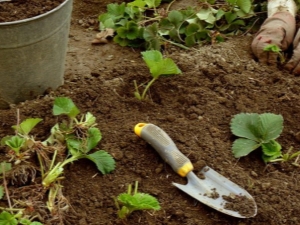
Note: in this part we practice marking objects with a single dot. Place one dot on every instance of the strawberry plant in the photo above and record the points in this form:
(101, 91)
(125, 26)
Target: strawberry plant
(80, 136)
(68, 142)
(158, 66)
(254, 131)
(135, 201)
(146, 24)
(274, 48)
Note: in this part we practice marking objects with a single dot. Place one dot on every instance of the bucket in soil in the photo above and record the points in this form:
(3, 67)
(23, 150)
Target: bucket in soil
(32, 54)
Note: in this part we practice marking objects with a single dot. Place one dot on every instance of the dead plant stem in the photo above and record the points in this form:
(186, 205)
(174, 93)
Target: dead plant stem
(5, 187)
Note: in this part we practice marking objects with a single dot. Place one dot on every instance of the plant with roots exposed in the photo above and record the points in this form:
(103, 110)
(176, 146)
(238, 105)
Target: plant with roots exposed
(69, 141)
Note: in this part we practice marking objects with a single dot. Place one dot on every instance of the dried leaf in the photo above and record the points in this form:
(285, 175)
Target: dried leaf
(101, 38)
(99, 41)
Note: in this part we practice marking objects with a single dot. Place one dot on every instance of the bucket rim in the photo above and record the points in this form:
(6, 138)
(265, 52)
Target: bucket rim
(35, 17)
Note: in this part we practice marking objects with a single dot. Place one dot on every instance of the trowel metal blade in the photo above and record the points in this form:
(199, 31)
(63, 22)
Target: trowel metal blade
(214, 188)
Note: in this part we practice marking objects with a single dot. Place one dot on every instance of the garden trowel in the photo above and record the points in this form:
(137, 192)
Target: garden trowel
(211, 188)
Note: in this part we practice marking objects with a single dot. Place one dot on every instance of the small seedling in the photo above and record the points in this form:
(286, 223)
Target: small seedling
(20, 144)
(257, 130)
(158, 66)
(81, 136)
(135, 201)
(274, 48)
(288, 157)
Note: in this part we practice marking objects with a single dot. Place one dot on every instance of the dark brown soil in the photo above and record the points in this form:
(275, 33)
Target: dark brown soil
(22, 9)
(194, 108)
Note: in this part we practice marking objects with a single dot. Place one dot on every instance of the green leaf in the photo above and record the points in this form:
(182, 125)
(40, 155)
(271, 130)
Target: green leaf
(174, 35)
(137, 3)
(153, 3)
(116, 10)
(244, 5)
(132, 30)
(267, 158)
(271, 148)
(1, 192)
(94, 136)
(220, 14)
(224, 27)
(238, 22)
(211, 19)
(27, 125)
(35, 223)
(129, 31)
(203, 14)
(7, 219)
(109, 23)
(121, 41)
(242, 147)
(230, 17)
(121, 31)
(104, 161)
(90, 120)
(139, 201)
(4, 139)
(176, 18)
(190, 40)
(6, 166)
(246, 125)
(202, 35)
(106, 21)
(165, 67)
(241, 14)
(232, 2)
(272, 48)
(158, 65)
(192, 28)
(152, 56)
(206, 15)
(24, 221)
(15, 143)
(74, 146)
(271, 126)
(150, 32)
(151, 36)
(134, 12)
(64, 105)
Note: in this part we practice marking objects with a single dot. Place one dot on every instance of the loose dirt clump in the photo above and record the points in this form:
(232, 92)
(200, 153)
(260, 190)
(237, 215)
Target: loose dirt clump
(241, 204)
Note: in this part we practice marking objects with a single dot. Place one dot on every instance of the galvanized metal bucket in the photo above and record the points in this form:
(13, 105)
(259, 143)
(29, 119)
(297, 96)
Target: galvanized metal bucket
(32, 54)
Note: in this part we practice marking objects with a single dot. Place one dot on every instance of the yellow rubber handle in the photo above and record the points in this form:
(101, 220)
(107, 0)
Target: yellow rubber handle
(165, 147)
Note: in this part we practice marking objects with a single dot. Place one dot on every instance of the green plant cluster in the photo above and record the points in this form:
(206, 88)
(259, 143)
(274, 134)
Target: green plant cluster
(70, 140)
(133, 201)
(7, 218)
(259, 130)
(158, 66)
(142, 23)
(276, 50)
